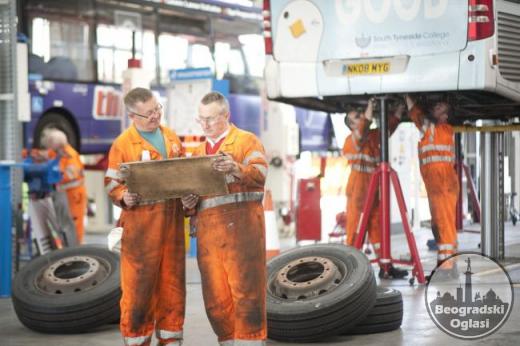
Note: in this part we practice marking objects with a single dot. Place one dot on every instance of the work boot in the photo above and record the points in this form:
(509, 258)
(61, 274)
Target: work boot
(393, 273)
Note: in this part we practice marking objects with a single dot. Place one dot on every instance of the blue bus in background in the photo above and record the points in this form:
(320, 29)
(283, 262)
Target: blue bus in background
(89, 114)
(78, 50)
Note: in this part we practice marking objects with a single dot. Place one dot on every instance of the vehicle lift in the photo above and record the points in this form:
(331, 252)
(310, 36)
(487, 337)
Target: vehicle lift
(383, 176)
(461, 169)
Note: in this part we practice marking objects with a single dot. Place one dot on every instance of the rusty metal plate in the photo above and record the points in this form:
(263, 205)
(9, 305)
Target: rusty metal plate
(173, 178)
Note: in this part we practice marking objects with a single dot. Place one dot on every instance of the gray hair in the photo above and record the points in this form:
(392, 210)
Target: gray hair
(135, 96)
(52, 136)
(218, 98)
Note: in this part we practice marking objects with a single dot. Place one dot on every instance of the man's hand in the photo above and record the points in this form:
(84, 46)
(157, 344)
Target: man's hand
(225, 163)
(399, 110)
(189, 201)
(131, 199)
(369, 111)
(409, 101)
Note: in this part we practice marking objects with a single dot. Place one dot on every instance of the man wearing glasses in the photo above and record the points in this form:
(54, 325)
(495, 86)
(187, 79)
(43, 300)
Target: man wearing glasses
(152, 248)
(230, 229)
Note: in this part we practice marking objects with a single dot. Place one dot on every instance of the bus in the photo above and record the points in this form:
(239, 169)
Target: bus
(327, 54)
(78, 50)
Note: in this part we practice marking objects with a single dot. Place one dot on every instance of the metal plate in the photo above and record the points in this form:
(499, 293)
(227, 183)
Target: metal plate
(173, 178)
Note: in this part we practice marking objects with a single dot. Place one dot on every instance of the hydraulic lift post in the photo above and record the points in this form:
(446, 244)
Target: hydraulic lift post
(458, 164)
(492, 195)
(383, 176)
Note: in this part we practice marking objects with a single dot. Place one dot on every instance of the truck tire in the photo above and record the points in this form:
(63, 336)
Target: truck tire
(57, 121)
(318, 291)
(66, 291)
(385, 316)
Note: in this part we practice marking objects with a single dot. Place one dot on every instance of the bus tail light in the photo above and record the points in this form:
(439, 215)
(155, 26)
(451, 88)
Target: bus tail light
(481, 23)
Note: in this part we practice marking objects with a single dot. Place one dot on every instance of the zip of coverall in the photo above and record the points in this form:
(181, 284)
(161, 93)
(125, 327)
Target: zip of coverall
(152, 249)
(73, 183)
(362, 149)
(231, 245)
(437, 159)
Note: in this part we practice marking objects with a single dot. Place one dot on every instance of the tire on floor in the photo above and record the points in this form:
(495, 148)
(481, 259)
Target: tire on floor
(385, 316)
(72, 290)
(318, 291)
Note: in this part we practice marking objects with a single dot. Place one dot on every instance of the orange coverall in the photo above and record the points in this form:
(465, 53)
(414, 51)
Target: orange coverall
(152, 250)
(73, 183)
(363, 156)
(437, 158)
(231, 245)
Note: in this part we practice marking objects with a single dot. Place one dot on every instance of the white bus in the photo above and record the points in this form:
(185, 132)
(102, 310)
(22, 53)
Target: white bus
(325, 54)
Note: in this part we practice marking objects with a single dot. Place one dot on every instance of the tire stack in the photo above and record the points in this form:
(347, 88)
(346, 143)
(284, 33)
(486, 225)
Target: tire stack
(331, 305)
(318, 291)
(385, 316)
(72, 290)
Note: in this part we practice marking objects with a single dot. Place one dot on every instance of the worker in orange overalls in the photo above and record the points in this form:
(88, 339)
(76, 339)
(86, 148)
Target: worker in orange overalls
(48, 208)
(152, 245)
(437, 158)
(73, 182)
(230, 229)
(362, 150)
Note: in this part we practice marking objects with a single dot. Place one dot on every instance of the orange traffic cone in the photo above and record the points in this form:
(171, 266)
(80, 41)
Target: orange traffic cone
(271, 230)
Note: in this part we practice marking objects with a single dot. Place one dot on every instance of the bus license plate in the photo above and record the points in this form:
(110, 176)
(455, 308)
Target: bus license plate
(368, 68)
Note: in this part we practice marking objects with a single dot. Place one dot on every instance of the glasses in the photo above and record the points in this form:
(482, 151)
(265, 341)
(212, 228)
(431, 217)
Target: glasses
(157, 110)
(208, 120)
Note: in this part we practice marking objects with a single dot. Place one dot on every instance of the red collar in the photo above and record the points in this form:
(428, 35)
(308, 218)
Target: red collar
(213, 150)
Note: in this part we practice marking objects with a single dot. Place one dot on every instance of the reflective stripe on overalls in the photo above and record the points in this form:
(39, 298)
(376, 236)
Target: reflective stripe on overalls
(230, 198)
(70, 184)
(362, 162)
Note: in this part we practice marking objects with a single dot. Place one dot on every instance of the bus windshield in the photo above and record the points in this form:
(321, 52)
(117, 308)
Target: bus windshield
(91, 41)
(79, 50)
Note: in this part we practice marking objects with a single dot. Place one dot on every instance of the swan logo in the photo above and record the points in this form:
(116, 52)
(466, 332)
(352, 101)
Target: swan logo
(473, 303)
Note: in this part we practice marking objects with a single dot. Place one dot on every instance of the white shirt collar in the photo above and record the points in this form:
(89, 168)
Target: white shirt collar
(212, 143)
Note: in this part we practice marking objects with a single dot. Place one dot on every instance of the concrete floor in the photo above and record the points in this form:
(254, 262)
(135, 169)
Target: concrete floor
(417, 327)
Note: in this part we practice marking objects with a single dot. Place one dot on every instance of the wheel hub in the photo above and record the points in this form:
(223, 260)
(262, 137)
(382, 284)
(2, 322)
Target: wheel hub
(73, 274)
(306, 278)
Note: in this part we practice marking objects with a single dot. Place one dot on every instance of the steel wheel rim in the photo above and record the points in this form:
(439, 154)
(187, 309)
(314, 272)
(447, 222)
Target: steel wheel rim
(307, 277)
(72, 275)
